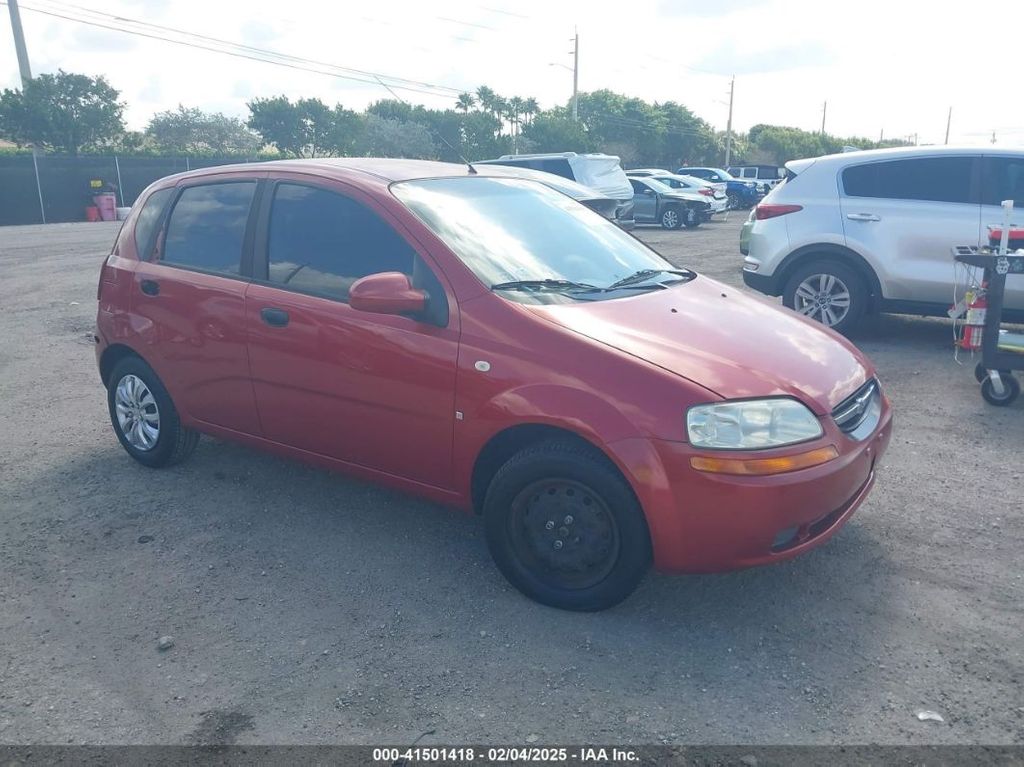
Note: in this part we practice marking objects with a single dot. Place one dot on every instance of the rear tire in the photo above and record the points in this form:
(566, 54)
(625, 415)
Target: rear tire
(828, 292)
(671, 218)
(564, 527)
(144, 417)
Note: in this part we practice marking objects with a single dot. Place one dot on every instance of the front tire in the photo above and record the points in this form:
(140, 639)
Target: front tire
(670, 218)
(565, 529)
(828, 292)
(144, 417)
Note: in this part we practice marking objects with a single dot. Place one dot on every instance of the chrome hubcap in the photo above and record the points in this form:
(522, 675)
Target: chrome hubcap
(823, 297)
(670, 218)
(137, 413)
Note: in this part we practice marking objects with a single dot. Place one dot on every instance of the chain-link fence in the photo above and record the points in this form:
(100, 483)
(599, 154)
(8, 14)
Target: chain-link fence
(50, 188)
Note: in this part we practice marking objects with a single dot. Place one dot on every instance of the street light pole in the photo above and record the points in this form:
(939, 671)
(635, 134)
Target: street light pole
(576, 78)
(19, 42)
(728, 125)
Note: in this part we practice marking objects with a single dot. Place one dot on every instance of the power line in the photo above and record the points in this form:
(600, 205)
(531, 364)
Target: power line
(363, 76)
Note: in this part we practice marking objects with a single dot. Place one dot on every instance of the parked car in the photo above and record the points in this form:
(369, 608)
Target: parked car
(742, 194)
(593, 199)
(872, 231)
(765, 176)
(487, 343)
(647, 172)
(601, 172)
(656, 203)
(715, 193)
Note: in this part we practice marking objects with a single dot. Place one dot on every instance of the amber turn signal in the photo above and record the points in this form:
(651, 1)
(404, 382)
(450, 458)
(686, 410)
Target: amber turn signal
(764, 466)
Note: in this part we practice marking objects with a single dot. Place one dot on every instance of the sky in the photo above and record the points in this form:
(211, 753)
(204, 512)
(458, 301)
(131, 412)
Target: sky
(885, 68)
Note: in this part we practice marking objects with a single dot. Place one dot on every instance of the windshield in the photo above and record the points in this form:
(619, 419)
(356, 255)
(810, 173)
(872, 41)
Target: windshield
(515, 231)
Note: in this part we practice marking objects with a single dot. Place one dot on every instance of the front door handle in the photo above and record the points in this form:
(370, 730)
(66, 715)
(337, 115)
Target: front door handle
(278, 318)
(863, 217)
(150, 287)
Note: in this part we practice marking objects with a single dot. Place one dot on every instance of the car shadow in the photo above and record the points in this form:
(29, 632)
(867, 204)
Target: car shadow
(266, 568)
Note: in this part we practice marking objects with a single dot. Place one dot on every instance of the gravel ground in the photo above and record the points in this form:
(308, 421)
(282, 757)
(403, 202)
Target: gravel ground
(306, 607)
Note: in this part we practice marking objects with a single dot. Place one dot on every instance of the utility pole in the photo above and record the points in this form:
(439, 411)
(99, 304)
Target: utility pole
(19, 42)
(576, 77)
(949, 119)
(728, 125)
(824, 109)
(881, 135)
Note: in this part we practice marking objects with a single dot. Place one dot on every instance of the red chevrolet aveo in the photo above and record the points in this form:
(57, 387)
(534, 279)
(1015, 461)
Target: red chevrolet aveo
(488, 343)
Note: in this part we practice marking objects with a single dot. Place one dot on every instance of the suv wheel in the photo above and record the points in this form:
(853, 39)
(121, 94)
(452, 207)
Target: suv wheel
(565, 529)
(144, 418)
(829, 292)
(670, 218)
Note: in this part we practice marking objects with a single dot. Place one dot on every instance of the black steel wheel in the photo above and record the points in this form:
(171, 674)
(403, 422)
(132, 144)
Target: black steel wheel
(1011, 390)
(565, 528)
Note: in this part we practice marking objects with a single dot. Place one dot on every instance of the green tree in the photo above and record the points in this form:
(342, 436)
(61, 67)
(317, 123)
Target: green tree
(465, 102)
(304, 129)
(554, 130)
(384, 137)
(193, 131)
(64, 112)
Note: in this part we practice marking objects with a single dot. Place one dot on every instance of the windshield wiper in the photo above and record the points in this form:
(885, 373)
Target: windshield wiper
(541, 284)
(645, 274)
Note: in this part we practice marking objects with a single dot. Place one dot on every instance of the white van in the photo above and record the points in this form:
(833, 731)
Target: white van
(601, 172)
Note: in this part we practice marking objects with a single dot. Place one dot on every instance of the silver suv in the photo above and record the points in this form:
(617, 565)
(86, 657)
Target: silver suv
(849, 234)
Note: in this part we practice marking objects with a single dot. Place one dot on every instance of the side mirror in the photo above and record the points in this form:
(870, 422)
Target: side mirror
(648, 191)
(386, 293)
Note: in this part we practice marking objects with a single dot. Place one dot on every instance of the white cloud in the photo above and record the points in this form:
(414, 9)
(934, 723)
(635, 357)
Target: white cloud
(880, 65)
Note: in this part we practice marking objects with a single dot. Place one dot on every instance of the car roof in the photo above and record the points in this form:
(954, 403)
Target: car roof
(903, 152)
(382, 170)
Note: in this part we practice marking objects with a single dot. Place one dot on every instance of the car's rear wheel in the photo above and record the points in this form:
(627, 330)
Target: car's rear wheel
(829, 292)
(670, 218)
(691, 218)
(144, 417)
(565, 529)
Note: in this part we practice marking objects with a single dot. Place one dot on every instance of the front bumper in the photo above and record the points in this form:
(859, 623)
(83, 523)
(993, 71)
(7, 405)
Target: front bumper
(702, 522)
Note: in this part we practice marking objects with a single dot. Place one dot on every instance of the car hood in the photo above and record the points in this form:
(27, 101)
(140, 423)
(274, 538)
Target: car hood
(724, 340)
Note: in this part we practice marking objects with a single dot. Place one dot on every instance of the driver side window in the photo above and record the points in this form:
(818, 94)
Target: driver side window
(321, 242)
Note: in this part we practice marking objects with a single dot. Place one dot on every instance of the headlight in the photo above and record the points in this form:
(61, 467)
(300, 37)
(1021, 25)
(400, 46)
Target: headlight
(751, 424)
(750, 184)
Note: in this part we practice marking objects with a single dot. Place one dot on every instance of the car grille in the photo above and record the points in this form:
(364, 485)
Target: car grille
(858, 414)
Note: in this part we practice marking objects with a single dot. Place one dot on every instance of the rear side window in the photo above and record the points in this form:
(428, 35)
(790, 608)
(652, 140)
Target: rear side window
(321, 242)
(638, 186)
(207, 227)
(1002, 178)
(148, 222)
(932, 179)
(559, 166)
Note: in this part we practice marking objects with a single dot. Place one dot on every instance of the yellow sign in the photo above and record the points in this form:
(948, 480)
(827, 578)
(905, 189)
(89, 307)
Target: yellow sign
(96, 183)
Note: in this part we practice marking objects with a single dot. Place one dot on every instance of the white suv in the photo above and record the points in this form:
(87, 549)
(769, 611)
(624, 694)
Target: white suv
(872, 231)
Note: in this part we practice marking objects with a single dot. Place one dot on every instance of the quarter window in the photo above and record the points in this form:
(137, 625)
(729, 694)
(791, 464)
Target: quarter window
(207, 227)
(933, 179)
(321, 242)
(1002, 178)
(148, 222)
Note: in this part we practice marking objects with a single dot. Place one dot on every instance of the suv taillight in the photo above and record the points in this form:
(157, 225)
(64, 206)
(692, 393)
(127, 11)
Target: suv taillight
(763, 211)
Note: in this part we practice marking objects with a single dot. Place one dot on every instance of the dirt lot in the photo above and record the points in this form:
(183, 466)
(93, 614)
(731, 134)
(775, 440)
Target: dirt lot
(309, 608)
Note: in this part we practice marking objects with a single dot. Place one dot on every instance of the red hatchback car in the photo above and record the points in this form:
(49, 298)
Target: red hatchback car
(491, 344)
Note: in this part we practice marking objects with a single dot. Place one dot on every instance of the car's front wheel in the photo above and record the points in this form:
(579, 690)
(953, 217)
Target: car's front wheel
(827, 291)
(671, 219)
(144, 417)
(564, 527)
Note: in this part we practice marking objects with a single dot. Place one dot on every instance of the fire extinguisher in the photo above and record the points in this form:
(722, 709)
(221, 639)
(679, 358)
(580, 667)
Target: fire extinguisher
(974, 322)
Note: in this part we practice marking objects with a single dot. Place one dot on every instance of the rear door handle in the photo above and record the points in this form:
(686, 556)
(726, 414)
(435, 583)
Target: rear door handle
(278, 318)
(150, 287)
(863, 217)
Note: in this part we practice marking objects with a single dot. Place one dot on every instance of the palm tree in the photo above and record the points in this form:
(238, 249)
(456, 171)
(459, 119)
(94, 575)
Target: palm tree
(465, 102)
(515, 110)
(486, 97)
(530, 108)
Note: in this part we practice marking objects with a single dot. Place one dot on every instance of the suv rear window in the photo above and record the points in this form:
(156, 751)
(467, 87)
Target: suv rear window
(207, 227)
(1002, 178)
(933, 179)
